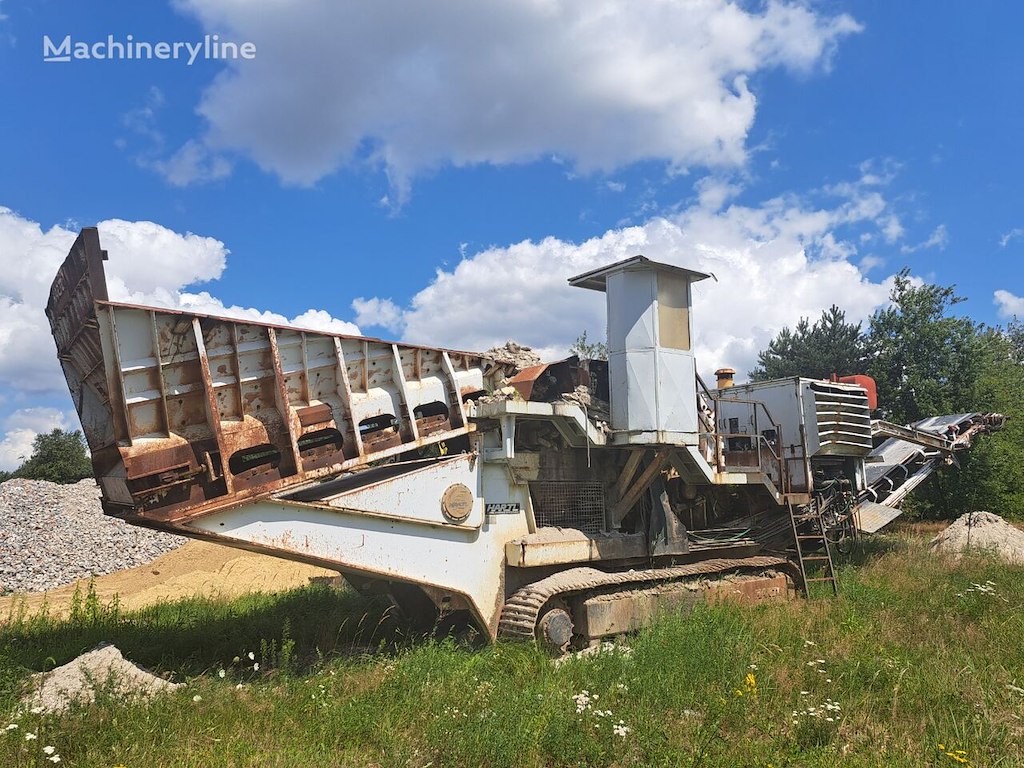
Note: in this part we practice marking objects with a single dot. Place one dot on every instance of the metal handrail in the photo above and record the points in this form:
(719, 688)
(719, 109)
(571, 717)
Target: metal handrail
(755, 403)
(703, 418)
(760, 439)
(771, 458)
(719, 437)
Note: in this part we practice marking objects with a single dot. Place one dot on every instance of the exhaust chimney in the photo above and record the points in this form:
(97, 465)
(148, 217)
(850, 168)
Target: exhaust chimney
(725, 377)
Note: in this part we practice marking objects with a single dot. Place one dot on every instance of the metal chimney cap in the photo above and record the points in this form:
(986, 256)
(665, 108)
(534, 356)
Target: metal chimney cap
(597, 279)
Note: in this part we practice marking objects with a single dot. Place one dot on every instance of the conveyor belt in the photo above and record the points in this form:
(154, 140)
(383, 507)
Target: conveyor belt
(898, 466)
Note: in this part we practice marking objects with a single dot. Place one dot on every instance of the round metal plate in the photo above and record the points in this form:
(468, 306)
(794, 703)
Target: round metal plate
(556, 630)
(457, 502)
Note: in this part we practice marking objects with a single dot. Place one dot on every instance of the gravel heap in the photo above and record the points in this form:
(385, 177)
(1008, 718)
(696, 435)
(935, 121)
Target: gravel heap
(102, 668)
(513, 355)
(982, 531)
(55, 534)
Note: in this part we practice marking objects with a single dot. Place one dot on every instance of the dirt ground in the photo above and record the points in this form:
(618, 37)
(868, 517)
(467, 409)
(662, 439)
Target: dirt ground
(195, 569)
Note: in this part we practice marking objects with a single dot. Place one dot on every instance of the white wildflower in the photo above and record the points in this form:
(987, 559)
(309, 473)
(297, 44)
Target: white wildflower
(251, 656)
(49, 750)
(197, 698)
(221, 673)
(582, 700)
(256, 667)
(30, 737)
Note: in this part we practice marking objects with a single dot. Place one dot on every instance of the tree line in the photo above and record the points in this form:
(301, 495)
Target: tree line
(58, 456)
(926, 361)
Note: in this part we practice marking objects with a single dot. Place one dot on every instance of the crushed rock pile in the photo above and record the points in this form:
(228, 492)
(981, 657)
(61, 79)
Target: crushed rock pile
(513, 355)
(980, 532)
(102, 669)
(54, 534)
(598, 409)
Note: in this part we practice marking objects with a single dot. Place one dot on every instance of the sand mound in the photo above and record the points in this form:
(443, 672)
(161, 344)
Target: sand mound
(198, 569)
(982, 531)
(103, 668)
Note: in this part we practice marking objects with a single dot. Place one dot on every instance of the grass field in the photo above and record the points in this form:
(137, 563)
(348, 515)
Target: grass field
(919, 662)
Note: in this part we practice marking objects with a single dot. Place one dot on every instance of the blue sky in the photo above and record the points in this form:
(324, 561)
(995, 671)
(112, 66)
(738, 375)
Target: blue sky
(434, 171)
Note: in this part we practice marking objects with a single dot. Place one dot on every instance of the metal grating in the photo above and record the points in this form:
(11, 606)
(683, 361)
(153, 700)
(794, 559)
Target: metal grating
(569, 504)
(844, 419)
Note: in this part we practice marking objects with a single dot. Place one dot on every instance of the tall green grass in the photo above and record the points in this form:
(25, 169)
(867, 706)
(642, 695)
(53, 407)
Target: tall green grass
(916, 652)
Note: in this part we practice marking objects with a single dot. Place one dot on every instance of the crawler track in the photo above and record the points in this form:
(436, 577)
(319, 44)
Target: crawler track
(521, 611)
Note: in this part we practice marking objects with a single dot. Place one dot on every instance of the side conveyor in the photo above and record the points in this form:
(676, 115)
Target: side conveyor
(906, 459)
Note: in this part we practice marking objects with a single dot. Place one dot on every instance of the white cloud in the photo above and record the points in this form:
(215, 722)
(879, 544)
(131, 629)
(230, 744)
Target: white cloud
(1008, 304)
(193, 162)
(871, 262)
(21, 428)
(149, 264)
(415, 85)
(892, 228)
(939, 238)
(775, 263)
(1013, 234)
(320, 320)
(383, 313)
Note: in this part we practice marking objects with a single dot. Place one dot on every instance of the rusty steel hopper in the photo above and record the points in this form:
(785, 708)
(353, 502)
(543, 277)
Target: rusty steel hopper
(184, 412)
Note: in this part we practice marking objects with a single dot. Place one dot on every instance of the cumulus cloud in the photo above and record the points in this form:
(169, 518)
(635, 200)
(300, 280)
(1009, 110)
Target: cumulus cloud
(775, 263)
(149, 264)
(1009, 305)
(21, 428)
(414, 85)
(383, 313)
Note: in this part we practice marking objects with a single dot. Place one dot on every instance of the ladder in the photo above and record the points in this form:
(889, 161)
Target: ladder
(811, 542)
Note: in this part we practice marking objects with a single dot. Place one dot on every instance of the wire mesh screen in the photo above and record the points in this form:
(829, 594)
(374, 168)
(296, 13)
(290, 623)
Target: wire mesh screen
(569, 504)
